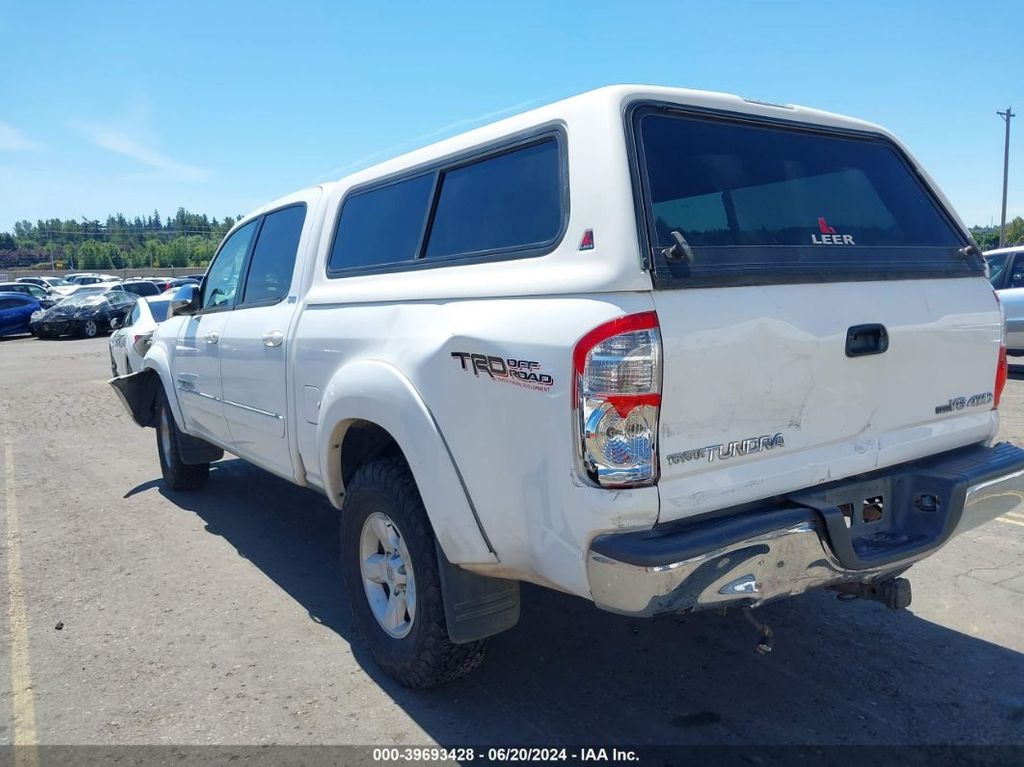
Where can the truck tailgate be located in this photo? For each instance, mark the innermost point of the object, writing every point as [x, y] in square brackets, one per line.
[761, 398]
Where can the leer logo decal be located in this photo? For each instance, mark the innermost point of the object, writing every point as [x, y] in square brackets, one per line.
[525, 373]
[828, 235]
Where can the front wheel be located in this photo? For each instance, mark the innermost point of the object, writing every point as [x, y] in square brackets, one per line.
[394, 588]
[90, 329]
[178, 475]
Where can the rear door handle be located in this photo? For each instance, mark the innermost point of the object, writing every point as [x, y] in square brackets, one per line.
[273, 338]
[212, 337]
[862, 340]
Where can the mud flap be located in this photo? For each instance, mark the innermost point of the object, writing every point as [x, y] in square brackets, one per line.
[476, 606]
[138, 393]
[193, 450]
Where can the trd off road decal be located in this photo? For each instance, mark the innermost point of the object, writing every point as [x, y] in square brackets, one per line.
[525, 373]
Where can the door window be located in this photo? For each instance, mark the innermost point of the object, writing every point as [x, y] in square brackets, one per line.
[1017, 275]
[273, 258]
[10, 303]
[997, 268]
[222, 280]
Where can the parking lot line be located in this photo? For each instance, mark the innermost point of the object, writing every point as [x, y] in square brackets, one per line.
[1010, 521]
[24, 735]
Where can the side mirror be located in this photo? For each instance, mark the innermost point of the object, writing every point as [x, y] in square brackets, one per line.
[185, 301]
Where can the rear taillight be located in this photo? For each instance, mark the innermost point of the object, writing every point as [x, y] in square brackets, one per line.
[1002, 373]
[617, 397]
[1002, 368]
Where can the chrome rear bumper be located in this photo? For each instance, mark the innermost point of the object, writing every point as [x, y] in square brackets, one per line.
[750, 559]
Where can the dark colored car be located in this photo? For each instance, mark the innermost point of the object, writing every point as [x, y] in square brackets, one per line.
[27, 288]
[86, 315]
[16, 313]
[140, 287]
[196, 277]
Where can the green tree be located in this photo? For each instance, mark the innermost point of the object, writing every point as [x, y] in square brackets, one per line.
[1015, 231]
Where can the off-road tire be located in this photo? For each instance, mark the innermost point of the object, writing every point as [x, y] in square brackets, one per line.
[426, 656]
[179, 476]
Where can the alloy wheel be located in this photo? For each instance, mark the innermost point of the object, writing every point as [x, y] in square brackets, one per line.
[388, 577]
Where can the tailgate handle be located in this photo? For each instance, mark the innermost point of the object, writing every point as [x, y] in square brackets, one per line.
[862, 340]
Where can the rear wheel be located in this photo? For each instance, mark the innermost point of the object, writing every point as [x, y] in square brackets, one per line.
[391, 574]
[178, 475]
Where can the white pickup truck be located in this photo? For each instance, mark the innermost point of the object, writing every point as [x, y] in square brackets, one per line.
[663, 349]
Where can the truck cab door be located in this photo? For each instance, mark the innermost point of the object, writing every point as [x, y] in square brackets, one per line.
[255, 342]
[195, 366]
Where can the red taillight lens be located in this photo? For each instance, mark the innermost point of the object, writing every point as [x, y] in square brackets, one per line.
[1002, 373]
[617, 395]
[1002, 368]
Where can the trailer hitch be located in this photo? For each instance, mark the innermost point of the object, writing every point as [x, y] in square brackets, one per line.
[894, 593]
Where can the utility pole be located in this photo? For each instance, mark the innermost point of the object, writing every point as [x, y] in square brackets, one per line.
[1007, 116]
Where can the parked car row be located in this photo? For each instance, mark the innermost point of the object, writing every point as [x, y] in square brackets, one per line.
[82, 304]
[71, 283]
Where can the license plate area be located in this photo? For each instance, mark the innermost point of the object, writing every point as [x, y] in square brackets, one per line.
[882, 520]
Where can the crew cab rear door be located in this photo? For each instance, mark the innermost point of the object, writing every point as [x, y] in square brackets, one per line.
[820, 313]
[256, 340]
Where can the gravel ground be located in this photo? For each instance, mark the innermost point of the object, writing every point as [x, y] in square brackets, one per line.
[219, 617]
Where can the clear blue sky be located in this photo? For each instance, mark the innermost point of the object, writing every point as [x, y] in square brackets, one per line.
[220, 106]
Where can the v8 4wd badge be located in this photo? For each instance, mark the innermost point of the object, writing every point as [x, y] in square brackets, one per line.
[959, 403]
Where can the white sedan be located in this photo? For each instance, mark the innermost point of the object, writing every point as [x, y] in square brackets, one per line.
[130, 341]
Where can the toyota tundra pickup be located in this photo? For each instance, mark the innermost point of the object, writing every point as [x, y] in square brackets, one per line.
[663, 349]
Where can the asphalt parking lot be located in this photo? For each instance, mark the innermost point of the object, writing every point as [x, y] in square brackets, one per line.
[220, 617]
